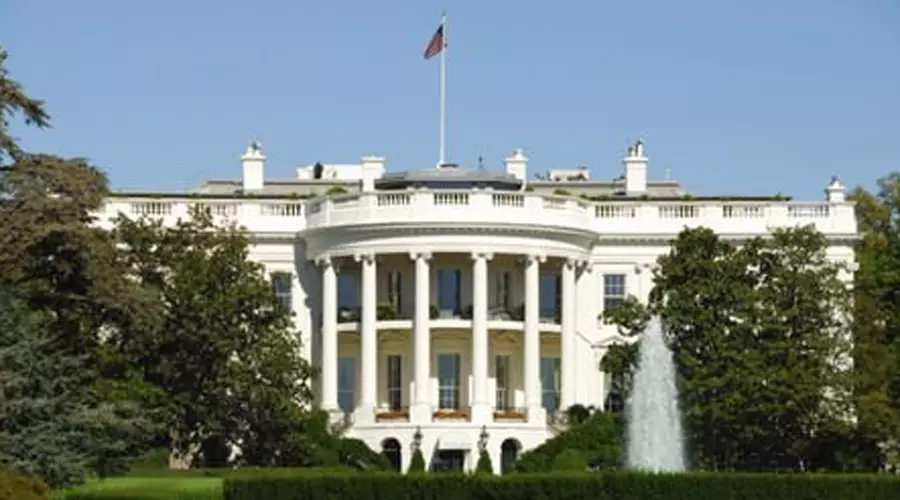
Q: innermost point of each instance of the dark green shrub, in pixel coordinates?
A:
(416, 463)
(561, 192)
(577, 414)
(15, 486)
(336, 190)
(599, 438)
(484, 467)
(570, 461)
(608, 485)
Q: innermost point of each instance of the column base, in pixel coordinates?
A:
(481, 413)
(537, 415)
(421, 413)
(364, 414)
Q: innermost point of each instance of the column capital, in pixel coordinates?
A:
(420, 255)
(576, 263)
(324, 260)
(367, 257)
(535, 257)
(482, 255)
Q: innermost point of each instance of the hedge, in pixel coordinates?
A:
(613, 485)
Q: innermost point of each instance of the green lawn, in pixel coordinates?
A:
(149, 488)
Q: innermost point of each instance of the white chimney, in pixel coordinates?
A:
(517, 165)
(635, 169)
(835, 191)
(253, 162)
(372, 168)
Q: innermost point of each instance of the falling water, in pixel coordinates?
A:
(655, 440)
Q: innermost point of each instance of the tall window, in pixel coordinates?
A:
(394, 382)
(613, 291)
(395, 289)
(550, 382)
(501, 375)
(501, 298)
(281, 284)
(348, 297)
(449, 281)
(550, 295)
(448, 381)
(347, 384)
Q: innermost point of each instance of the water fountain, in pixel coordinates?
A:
(655, 439)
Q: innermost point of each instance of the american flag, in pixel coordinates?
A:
(436, 45)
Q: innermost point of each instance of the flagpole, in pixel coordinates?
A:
(443, 158)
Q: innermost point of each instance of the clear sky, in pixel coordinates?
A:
(733, 97)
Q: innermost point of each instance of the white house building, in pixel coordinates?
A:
(450, 309)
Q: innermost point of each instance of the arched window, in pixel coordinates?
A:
(509, 452)
(390, 448)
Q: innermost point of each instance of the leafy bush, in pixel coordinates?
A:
(599, 439)
(417, 463)
(15, 486)
(484, 466)
(608, 485)
(336, 190)
(570, 461)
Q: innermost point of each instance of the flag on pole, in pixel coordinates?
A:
(436, 45)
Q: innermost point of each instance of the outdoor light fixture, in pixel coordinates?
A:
(483, 438)
(417, 437)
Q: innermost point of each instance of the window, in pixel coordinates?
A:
(550, 296)
(395, 289)
(613, 291)
(501, 298)
(448, 381)
(347, 384)
(449, 290)
(394, 382)
(348, 297)
(550, 381)
(501, 374)
(281, 284)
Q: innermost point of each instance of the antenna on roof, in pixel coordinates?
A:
(480, 162)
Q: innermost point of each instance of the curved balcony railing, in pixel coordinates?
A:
(625, 217)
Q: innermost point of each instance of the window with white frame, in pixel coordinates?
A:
(501, 375)
(613, 291)
(395, 289)
(395, 381)
(281, 285)
(448, 381)
(502, 292)
(347, 384)
(550, 383)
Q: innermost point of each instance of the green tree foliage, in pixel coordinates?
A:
(416, 463)
(225, 352)
(598, 440)
(877, 322)
(484, 467)
(760, 338)
(14, 101)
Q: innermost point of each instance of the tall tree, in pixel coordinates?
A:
(14, 101)
(225, 351)
(877, 321)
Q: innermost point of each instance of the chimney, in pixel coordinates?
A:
(253, 163)
(517, 165)
(635, 169)
(834, 193)
(372, 168)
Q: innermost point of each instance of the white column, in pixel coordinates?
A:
(329, 335)
(567, 398)
(481, 403)
(532, 343)
(420, 410)
(369, 336)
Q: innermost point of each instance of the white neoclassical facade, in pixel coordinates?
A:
(450, 309)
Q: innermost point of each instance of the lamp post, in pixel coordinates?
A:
(417, 438)
(483, 438)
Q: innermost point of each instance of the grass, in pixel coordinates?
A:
(146, 488)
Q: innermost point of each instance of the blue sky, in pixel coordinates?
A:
(732, 97)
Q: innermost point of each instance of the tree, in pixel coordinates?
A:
(759, 337)
(416, 463)
(484, 467)
(13, 101)
(876, 327)
(225, 351)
